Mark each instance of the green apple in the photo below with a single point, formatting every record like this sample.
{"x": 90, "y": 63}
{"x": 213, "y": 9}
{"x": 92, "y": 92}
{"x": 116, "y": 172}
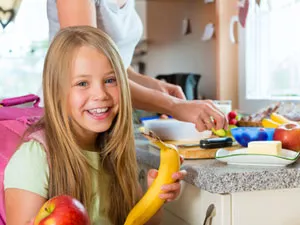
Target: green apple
{"x": 220, "y": 132}
{"x": 223, "y": 132}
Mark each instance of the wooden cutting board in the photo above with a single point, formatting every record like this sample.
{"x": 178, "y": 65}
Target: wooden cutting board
{"x": 195, "y": 152}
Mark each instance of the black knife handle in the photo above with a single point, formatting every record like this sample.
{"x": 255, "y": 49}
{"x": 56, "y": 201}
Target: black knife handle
{"x": 216, "y": 142}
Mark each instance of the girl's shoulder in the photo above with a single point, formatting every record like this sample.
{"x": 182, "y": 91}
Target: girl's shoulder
{"x": 32, "y": 146}
{"x": 28, "y": 169}
{"x": 29, "y": 153}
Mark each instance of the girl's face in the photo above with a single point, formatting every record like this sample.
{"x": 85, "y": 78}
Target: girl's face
{"x": 94, "y": 93}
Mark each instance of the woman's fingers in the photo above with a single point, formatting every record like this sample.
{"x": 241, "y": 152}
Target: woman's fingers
{"x": 218, "y": 116}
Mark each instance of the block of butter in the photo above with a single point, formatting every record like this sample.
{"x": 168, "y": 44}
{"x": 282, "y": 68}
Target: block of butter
{"x": 264, "y": 147}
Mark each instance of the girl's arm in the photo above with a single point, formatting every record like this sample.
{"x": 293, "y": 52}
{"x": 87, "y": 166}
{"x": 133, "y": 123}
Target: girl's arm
{"x": 21, "y": 206}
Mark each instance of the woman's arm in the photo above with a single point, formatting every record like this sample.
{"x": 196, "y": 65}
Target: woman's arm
{"x": 76, "y": 13}
{"x": 21, "y": 206}
{"x": 198, "y": 112}
{"x": 149, "y": 82}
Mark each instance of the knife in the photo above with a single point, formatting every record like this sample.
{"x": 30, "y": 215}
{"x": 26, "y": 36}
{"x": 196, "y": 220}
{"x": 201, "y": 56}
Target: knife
{"x": 211, "y": 143}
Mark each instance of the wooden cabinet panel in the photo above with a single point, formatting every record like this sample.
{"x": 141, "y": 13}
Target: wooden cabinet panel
{"x": 227, "y": 53}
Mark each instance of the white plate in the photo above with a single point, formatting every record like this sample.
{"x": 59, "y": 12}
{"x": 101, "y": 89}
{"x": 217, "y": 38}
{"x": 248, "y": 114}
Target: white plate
{"x": 241, "y": 157}
{"x": 174, "y": 130}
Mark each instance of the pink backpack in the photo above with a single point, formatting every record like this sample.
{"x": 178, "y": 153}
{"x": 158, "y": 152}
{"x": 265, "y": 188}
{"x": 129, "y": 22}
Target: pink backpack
{"x": 13, "y": 122}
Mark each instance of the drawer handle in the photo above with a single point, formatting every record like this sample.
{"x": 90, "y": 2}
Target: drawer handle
{"x": 210, "y": 213}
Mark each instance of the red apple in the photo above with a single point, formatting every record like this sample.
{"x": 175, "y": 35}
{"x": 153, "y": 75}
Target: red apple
{"x": 62, "y": 210}
{"x": 232, "y": 121}
{"x": 232, "y": 115}
{"x": 289, "y": 135}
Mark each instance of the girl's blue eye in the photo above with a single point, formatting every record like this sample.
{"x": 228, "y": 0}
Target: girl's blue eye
{"x": 111, "y": 81}
{"x": 82, "y": 84}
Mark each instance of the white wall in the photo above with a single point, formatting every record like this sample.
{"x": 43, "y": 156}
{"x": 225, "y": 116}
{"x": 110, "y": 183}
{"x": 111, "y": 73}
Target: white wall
{"x": 169, "y": 51}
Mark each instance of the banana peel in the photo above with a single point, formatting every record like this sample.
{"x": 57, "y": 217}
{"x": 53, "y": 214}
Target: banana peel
{"x": 150, "y": 203}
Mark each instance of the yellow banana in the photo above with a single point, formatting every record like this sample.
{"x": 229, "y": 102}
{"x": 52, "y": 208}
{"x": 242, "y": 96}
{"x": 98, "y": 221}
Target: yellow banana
{"x": 279, "y": 118}
{"x": 268, "y": 123}
{"x": 150, "y": 203}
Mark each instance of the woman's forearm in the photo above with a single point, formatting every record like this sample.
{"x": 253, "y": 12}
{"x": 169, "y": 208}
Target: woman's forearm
{"x": 142, "y": 79}
{"x": 150, "y": 100}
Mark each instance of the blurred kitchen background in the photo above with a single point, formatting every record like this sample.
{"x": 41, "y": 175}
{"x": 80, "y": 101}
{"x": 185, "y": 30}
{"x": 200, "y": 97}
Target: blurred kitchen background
{"x": 246, "y": 51}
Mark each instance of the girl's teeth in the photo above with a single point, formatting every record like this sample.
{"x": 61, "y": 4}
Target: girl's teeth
{"x": 99, "y": 110}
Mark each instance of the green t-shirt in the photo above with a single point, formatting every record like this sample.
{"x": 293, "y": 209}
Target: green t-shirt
{"x": 28, "y": 169}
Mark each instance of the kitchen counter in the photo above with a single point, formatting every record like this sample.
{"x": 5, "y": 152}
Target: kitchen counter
{"x": 216, "y": 177}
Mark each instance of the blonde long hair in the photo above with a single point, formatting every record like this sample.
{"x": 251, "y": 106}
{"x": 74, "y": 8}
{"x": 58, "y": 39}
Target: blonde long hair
{"x": 69, "y": 170}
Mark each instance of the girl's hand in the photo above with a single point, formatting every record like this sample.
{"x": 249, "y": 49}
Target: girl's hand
{"x": 169, "y": 191}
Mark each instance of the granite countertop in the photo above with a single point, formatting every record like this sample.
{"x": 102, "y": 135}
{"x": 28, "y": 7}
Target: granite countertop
{"x": 217, "y": 177}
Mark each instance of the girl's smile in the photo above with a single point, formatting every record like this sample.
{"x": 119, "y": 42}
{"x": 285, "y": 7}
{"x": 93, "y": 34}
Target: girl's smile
{"x": 99, "y": 113}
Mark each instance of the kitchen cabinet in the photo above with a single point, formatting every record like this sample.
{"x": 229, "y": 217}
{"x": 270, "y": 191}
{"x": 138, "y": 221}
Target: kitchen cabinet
{"x": 193, "y": 204}
{"x": 276, "y": 207}
{"x": 171, "y": 51}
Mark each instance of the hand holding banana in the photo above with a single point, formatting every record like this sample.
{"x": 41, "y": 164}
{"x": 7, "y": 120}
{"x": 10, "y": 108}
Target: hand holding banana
{"x": 163, "y": 185}
{"x": 169, "y": 191}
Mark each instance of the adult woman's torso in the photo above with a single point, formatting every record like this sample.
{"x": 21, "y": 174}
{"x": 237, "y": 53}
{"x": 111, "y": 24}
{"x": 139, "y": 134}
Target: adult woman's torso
{"x": 118, "y": 18}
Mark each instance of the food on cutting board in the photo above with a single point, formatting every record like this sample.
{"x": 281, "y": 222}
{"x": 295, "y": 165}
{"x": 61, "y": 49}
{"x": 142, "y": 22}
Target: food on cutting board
{"x": 264, "y": 147}
{"x": 220, "y": 132}
{"x": 289, "y": 135}
{"x": 223, "y": 132}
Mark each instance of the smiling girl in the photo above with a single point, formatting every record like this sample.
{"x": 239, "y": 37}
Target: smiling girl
{"x": 88, "y": 133}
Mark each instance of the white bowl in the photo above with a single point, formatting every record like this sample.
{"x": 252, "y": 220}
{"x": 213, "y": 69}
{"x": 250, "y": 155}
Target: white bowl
{"x": 171, "y": 129}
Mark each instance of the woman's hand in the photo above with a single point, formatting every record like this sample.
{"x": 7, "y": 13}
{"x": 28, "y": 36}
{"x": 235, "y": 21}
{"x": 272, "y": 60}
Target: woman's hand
{"x": 203, "y": 113}
{"x": 170, "y": 89}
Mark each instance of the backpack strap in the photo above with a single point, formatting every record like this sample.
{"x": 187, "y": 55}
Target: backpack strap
{"x": 38, "y": 136}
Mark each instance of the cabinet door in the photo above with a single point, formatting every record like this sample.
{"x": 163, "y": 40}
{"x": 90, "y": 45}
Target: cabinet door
{"x": 193, "y": 203}
{"x": 170, "y": 218}
{"x": 276, "y": 207}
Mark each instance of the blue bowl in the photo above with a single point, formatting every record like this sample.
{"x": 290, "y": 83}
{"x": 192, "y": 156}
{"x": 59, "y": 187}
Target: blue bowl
{"x": 243, "y": 135}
